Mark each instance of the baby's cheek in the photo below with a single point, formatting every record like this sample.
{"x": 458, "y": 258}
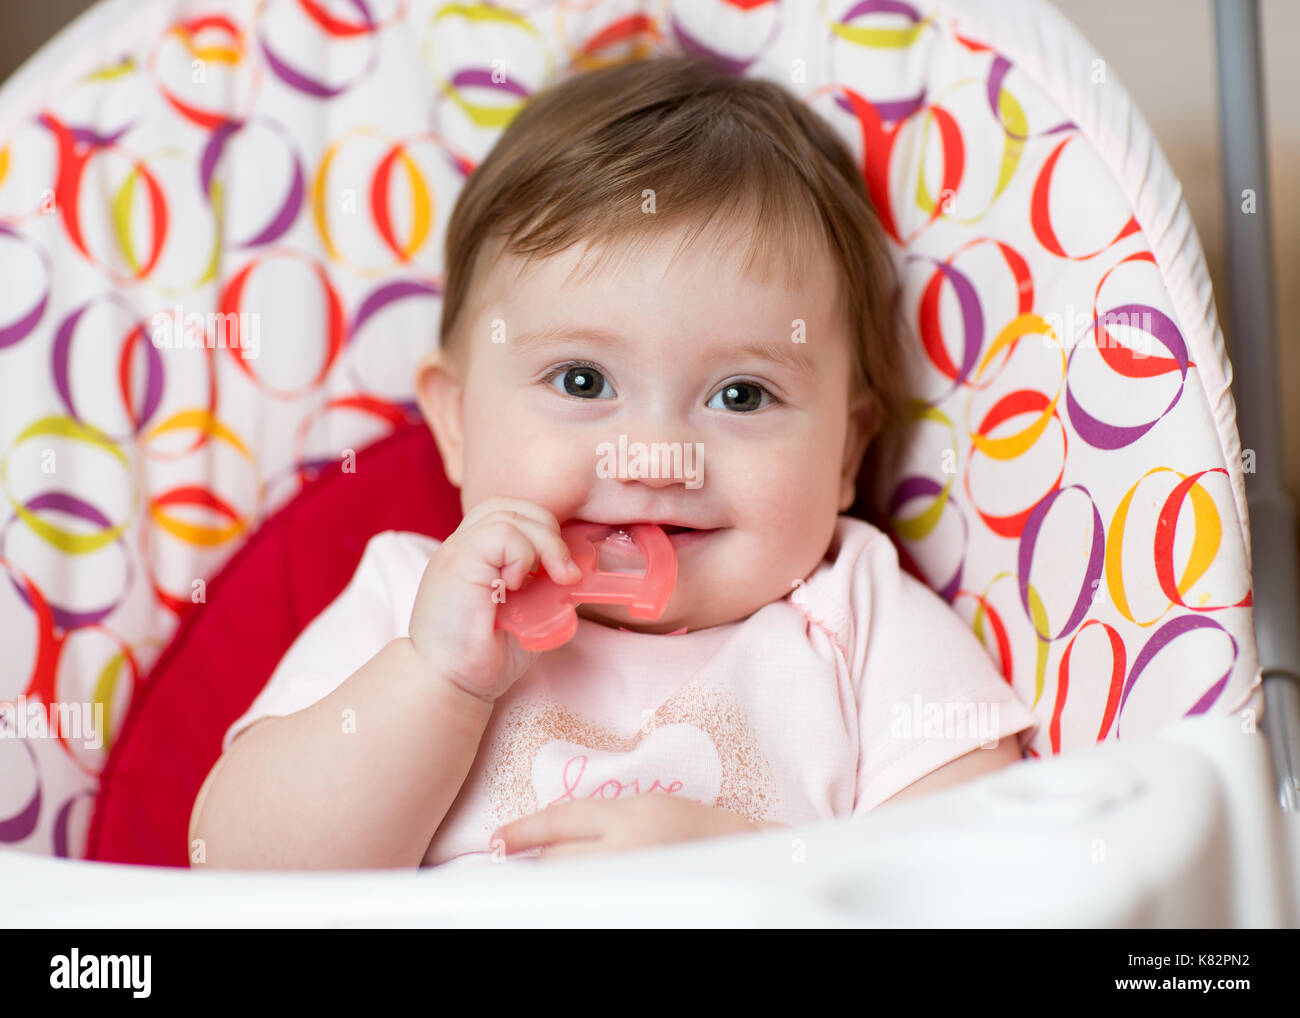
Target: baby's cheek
{"x": 806, "y": 529}
{"x": 536, "y": 469}
{"x": 792, "y": 501}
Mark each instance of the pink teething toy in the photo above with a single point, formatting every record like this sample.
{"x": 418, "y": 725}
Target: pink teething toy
{"x": 542, "y": 614}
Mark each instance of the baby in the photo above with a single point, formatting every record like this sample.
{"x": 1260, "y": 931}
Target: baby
{"x": 735, "y": 303}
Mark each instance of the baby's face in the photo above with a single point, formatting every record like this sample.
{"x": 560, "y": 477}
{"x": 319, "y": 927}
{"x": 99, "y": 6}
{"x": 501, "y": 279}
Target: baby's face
{"x": 760, "y": 451}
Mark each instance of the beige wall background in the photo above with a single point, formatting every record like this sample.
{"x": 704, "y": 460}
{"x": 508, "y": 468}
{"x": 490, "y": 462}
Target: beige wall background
{"x": 1163, "y": 53}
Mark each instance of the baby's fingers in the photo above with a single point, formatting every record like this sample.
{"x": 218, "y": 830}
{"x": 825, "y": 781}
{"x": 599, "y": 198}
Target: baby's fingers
{"x": 574, "y": 821}
{"x": 502, "y": 545}
{"x": 510, "y": 508}
{"x": 514, "y": 545}
{"x": 549, "y": 547}
{"x": 569, "y": 848}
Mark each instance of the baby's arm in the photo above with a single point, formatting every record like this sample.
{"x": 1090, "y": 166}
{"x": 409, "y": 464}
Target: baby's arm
{"x": 305, "y": 791}
{"x": 974, "y": 764}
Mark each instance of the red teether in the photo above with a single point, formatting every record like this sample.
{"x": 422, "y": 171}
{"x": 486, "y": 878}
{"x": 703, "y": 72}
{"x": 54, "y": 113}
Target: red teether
{"x": 542, "y": 614}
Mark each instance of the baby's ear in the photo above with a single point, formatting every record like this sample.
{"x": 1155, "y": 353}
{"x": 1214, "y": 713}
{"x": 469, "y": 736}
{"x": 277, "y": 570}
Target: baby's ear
{"x": 863, "y": 426}
{"x": 439, "y": 389}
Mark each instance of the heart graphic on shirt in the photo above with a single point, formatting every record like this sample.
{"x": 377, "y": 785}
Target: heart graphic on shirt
{"x": 699, "y": 744}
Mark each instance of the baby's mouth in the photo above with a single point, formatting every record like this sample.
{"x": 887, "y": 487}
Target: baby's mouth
{"x": 618, "y": 553}
{"x": 687, "y": 537}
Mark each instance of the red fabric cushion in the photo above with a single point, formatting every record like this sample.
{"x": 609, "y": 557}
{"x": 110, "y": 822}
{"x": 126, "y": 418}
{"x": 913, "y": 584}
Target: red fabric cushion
{"x": 224, "y": 651}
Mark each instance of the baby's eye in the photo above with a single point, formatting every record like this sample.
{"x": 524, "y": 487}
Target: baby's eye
{"x": 741, "y": 396}
{"x": 581, "y": 380}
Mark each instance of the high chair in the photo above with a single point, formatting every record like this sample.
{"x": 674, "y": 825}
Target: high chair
{"x": 181, "y": 502}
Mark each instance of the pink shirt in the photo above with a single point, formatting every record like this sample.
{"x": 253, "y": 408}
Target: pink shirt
{"x": 822, "y": 704}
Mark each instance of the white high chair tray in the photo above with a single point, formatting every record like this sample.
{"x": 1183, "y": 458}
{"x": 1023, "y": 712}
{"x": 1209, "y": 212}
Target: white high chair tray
{"x": 1176, "y": 829}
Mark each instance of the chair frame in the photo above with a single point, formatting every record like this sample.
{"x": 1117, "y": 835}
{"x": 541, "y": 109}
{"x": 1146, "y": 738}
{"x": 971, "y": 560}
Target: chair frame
{"x": 1275, "y": 575}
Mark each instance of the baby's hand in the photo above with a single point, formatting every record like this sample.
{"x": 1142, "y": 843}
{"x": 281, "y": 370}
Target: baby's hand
{"x": 582, "y": 826}
{"x": 453, "y": 621}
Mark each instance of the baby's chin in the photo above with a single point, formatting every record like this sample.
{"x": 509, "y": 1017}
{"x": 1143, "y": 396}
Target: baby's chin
{"x": 616, "y": 616}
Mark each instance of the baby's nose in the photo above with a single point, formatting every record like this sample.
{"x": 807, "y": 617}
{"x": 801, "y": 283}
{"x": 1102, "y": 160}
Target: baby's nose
{"x": 655, "y": 464}
{"x": 661, "y": 481}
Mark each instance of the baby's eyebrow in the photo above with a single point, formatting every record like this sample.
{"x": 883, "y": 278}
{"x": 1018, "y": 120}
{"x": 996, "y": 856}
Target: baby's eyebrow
{"x": 784, "y": 353}
{"x": 788, "y": 354}
{"x": 564, "y": 333}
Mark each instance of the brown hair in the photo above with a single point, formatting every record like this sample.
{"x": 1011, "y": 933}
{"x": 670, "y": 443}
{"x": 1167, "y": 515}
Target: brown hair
{"x": 576, "y": 160}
